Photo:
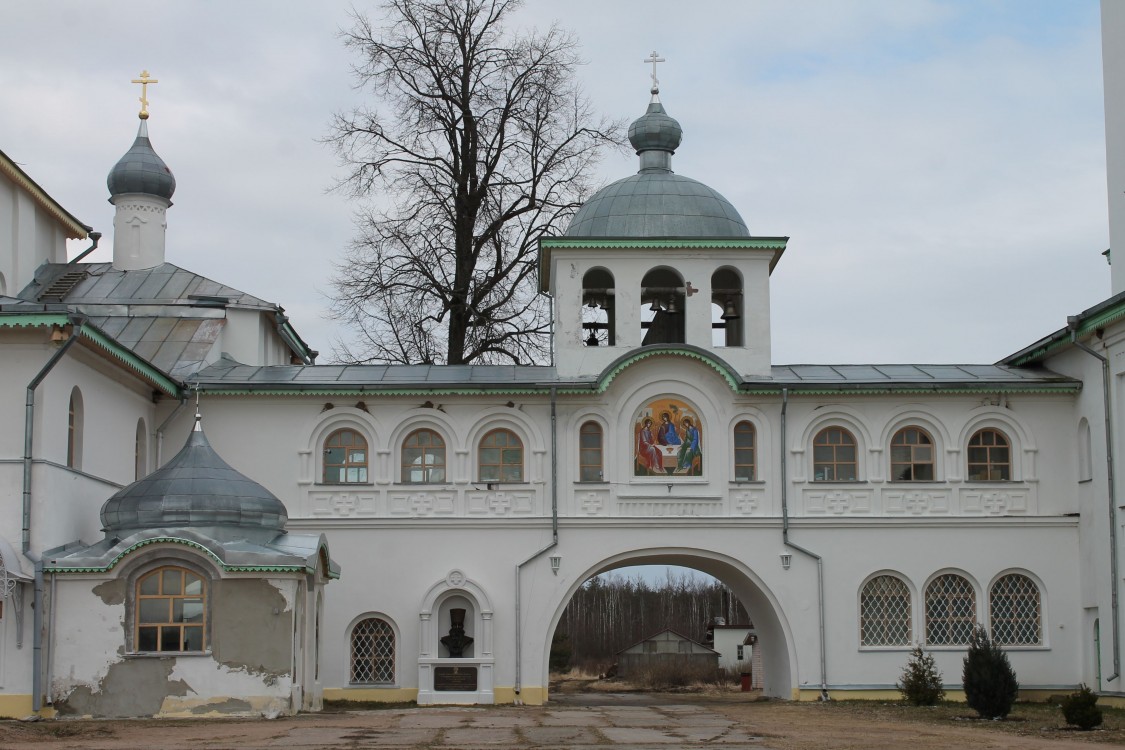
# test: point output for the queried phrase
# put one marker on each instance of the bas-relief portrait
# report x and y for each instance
(669, 440)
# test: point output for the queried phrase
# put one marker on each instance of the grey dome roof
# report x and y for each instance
(195, 489)
(656, 202)
(140, 170)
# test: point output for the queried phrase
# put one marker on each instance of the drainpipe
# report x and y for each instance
(799, 548)
(95, 236)
(1072, 324)
(76, 323)
(554, 538)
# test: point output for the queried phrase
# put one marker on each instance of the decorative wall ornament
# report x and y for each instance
(668, 440)
(592, 503)
(746, 502)
(838, 502)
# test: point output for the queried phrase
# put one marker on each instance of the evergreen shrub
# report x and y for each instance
(989, 681)
(920, 683)
(1080, 709)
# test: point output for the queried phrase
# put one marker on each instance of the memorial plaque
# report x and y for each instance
(455, 678)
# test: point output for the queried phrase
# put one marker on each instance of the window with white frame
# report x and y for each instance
(1014, 610)
(373, 652)
(885, 613)
(951, 610)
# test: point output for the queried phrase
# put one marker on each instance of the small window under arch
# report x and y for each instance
(834, 456)
(745, 452)
(912, 455)
(171, 611)
(726, 308)
(500, 458)
(990, 456)
(951, 610)
(1014, 609)
(884, 612)
(598, 314)
(345, 457)
(662, 307)
(423, 458)
(74, 424)
(590, 463)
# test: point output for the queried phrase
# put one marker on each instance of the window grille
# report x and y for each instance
(1015, 609)
(171, 608)
(373, 652)
(951, 610)
(884, 612)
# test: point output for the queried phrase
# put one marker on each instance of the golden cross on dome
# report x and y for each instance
(144, 80)
(655, 58)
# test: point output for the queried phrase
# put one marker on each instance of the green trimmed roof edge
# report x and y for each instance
(1061, 338)
(102, 340)
(187, 543)
(629, 360)
(765, 243)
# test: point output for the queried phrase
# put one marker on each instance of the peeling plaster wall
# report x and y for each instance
(248, 671)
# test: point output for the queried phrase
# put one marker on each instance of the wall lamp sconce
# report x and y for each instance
(786, 560)
(556, 563)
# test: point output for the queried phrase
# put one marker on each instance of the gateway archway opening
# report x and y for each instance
(706, 607)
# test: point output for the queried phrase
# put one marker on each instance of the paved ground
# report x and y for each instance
(575, 722)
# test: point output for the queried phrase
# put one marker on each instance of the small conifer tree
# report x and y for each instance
(920, 683)
(1080, 709)
(989, 681)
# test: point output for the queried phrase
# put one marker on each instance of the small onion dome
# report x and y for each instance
(655, 130)
(656, 202)
(196, 489)
(140, 170)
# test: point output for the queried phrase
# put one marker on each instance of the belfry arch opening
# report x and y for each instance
(598, 323)
(766, 653)
(662, 307)
(727, 309)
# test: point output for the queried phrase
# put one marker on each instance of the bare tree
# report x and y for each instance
(480, 143)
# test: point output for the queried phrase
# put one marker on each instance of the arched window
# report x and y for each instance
(598, 324)
(726, 308)
(74, 422)
(501, 457)
(1013, 604)
(745, 452)
(171, 611)
(423, 458)
(990, 456)
(590, 466)
(662, 307)
(345, 458)
(1085, 452)
(912, 455)
(884, 612)
(834, 456)
(140, 454)
(373, 652)
(951, 610)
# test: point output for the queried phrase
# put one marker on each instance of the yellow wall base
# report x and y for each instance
(530, 695)
(372, 695)
(957, 696)
(19, 706)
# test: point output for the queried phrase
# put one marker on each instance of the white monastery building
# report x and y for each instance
(197, 519)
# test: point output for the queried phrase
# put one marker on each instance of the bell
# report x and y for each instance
(730, 312)
(672, 305)
(655, 306)
(592, 340)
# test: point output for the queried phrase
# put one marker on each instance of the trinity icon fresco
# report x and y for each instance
(669, 440)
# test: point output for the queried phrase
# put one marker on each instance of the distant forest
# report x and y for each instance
(610, 613)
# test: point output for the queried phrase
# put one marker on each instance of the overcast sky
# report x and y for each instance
(939, 166)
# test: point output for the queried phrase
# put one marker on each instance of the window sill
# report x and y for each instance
(747, 481)
(374, 685)
(916, 481)
(164, 654)
(344, 484)
(838, 481)
(886, 649)
(591, 481)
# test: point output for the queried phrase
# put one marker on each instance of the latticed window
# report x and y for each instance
(745, 452)
(1016, 615)
(590, 452)
(345, 457)
(501, 457)
(373, 652)
(951, 610)
(990, 457)
(834, 455)
(423, 457)
(171, 611)
(884, 612)
(912, 456)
